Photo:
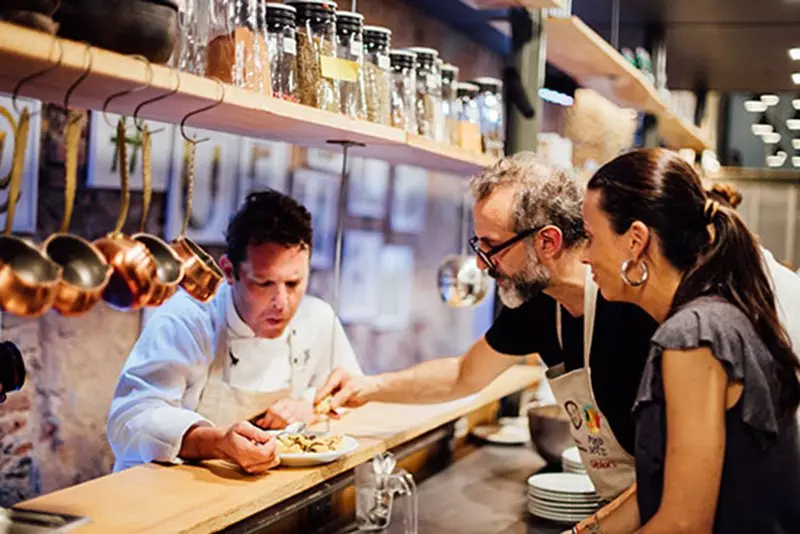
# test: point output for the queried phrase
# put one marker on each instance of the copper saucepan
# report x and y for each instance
(134, 267)
(169, 267)
(28, 279)
(85, 271)
(202, 275)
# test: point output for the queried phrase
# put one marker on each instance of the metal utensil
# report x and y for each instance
(298, 427)
(28, 279)
(202, 275)
(134, 266)
(461, 283)
(85, 272)
(169, 267)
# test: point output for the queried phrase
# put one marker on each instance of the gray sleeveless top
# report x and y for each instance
(760, 489)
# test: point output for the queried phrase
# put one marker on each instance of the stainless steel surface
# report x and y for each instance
(550, 433)
(461, 283)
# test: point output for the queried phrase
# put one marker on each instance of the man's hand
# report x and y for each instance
(286, 411)
(345, 390)
(249, 447)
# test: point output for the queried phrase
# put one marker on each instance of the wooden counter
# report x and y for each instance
(206, 498)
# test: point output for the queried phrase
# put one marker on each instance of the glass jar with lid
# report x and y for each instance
(469, 117)
(317, 80)
(282, 49)
(429, 92)
(350, 63)
(377, 73)
(490, 104)
(404, 90)
(237, 52)
(450, 102)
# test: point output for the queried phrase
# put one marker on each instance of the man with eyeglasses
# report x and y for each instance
(201, 374)
(529, 236)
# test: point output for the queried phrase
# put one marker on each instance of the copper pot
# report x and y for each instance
(169, 267)
(202, 275)
(28, 279)
(85, 272)
(134, 267)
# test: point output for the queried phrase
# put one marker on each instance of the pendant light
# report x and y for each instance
(771, 138)
(763, 126)
(753, 104)
(796, 144)
(777, 158)
(796, 159)
(796, 102)
(793, 123)
(770, 99)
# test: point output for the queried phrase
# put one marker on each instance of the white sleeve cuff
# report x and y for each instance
(169, 425)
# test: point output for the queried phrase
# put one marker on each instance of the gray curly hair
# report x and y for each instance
(543, 195)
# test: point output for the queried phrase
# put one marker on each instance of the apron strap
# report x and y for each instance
(589, 312)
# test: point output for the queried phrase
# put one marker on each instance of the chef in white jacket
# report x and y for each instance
(199, 372)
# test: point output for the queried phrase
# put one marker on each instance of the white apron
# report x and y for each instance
(224, 404)
(610, 467)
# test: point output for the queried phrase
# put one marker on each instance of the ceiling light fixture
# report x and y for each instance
(796, 78)
(771, 138)
(796, 144)
(753, 104)
(796, 160)
(794, 53)
(763, 126)
(770, 99)
(777, 158)
(796, 102)
(793, 123)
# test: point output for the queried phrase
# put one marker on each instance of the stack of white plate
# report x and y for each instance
(571, 461)
(562, 497)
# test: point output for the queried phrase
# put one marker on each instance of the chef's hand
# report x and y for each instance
(286, 411)
(249, 447)
(346, 389)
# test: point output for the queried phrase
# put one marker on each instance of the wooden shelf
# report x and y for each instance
(752, 174)
(24, 51)
(501, 4)
(574, 48)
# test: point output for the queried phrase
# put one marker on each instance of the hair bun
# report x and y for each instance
(726, 193)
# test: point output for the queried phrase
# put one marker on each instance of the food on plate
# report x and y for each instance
(304, 443)
(325, 407)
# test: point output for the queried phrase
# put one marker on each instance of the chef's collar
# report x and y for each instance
(236, 324)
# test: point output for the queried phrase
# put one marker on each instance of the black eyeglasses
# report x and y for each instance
(486, 255)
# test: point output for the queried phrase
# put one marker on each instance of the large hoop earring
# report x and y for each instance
(623, 272)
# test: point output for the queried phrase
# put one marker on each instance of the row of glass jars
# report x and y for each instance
(307, 51)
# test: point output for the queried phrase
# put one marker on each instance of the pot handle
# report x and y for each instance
(147, 175)
(124, 177)
(73, 136)
(20, 146)
(190, 148)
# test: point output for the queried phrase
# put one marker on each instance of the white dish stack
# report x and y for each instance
(571, 461)
(562, 497)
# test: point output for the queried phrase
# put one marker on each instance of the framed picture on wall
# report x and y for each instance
(262, 165)
(369, 185)
(395, 288)
(319, 193)
(216, 164)
(358, 290)
(102, 158)
(25, 216)
(409, 199)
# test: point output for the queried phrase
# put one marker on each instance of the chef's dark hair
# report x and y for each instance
(267, 216)
(658, 188)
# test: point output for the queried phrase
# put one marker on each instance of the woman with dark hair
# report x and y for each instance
(717, 445)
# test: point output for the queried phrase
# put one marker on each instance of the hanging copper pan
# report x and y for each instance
(169, 267)
(28, 279)
(133, 265)
(86, 272)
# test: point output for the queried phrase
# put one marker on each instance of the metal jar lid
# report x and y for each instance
(377, 37)
(280, 15)
(315, 11)
(402, 59)
(486, 83)
(426, 57)
(349, 22)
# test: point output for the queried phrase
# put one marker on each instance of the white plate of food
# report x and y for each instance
(309, 448)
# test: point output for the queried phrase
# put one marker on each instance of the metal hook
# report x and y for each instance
(83, 76)
(26, 79)
(147, 83)
(202, 110)
(137, 121)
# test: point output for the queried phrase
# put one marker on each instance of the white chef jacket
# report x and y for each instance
(786, 286)
(161, 383)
